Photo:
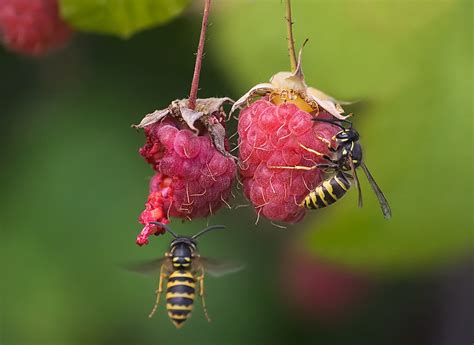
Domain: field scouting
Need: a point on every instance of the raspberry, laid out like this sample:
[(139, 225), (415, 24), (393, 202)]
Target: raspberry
[(271, 136), (32, 27), (277, 133), (194, 179), (320, 289)]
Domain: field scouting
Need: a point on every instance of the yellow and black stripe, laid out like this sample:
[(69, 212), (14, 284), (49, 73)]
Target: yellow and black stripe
[(327, 192), (180, 291)]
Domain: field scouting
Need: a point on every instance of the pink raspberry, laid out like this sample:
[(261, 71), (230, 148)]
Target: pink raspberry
[(32, 27), (270, 137), (193, 178), (320, 289)]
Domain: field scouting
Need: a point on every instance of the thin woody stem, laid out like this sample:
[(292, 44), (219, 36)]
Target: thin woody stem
[(199, 54), (289, 34)]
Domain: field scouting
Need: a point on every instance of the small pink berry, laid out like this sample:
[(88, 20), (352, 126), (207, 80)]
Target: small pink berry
[(32, 27)]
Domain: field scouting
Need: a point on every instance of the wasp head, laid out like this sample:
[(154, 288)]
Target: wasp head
[(347, 135), (182, 251), (183, 248)]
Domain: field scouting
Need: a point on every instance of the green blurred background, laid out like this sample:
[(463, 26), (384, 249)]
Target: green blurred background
[(73, 183)]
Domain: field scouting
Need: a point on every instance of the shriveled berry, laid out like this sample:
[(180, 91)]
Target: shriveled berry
[(32, 27), (274, 140), (155, 209), (193, 179)]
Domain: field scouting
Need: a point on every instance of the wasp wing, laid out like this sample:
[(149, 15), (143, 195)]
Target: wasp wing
[(356, 179), (387, 212), (146, 267), (217, 268)]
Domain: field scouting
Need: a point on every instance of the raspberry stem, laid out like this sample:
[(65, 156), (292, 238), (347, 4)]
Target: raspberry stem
[(199, 54), (289, 33)]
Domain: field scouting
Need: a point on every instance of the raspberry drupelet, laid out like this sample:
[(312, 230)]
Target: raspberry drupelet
[(32, 27)]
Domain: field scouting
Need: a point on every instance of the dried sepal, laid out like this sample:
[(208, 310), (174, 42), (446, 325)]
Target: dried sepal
[(206, 106), (258, 90), (328, 103), (209, 112), (153, 117), (213, 104), (290, 86), (218, 135), (190, 117)]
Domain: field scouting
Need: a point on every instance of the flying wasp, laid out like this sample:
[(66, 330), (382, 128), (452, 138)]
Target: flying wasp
[(345, 158), (183, 268)]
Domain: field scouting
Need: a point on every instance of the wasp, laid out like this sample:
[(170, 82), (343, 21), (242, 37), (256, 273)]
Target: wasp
[(343, 161), (184, 270)]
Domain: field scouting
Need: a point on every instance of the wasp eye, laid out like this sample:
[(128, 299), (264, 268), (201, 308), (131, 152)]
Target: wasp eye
[(342, 135)]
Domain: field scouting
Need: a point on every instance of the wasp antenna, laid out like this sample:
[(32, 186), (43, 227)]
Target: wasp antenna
[(347, 121), (165, 227), (332, 122), (209, 228)]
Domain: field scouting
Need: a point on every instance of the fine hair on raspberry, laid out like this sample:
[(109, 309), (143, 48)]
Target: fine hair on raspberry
[(272, 136), (193, 179)]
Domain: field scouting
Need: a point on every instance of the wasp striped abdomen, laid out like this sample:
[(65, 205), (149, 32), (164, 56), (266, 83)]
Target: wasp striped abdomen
[(327, 192), (180, 292)]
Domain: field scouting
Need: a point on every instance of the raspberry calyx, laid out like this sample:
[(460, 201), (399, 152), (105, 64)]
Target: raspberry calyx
[(291, 87)]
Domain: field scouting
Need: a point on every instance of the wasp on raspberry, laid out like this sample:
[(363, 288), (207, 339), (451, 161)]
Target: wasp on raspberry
[(344, 159)]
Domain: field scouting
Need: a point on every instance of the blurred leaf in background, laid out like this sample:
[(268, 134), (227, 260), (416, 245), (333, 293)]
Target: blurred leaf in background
[(118, 17), (410, 62)]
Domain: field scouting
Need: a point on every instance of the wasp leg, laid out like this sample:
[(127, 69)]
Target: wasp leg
[(296, 167), (326, 157), (328, 143), (158, 291), (201, 293), (327, 166), (331, 166)]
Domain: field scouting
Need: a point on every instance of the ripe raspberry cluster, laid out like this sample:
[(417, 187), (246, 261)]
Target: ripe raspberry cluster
[(32, 27), (280, 147), (193, 178), (273, 138)]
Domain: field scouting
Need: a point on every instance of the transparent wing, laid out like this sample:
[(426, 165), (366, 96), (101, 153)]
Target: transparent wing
[(217, 268), (387, 212), (147, 267), (356, 179)]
